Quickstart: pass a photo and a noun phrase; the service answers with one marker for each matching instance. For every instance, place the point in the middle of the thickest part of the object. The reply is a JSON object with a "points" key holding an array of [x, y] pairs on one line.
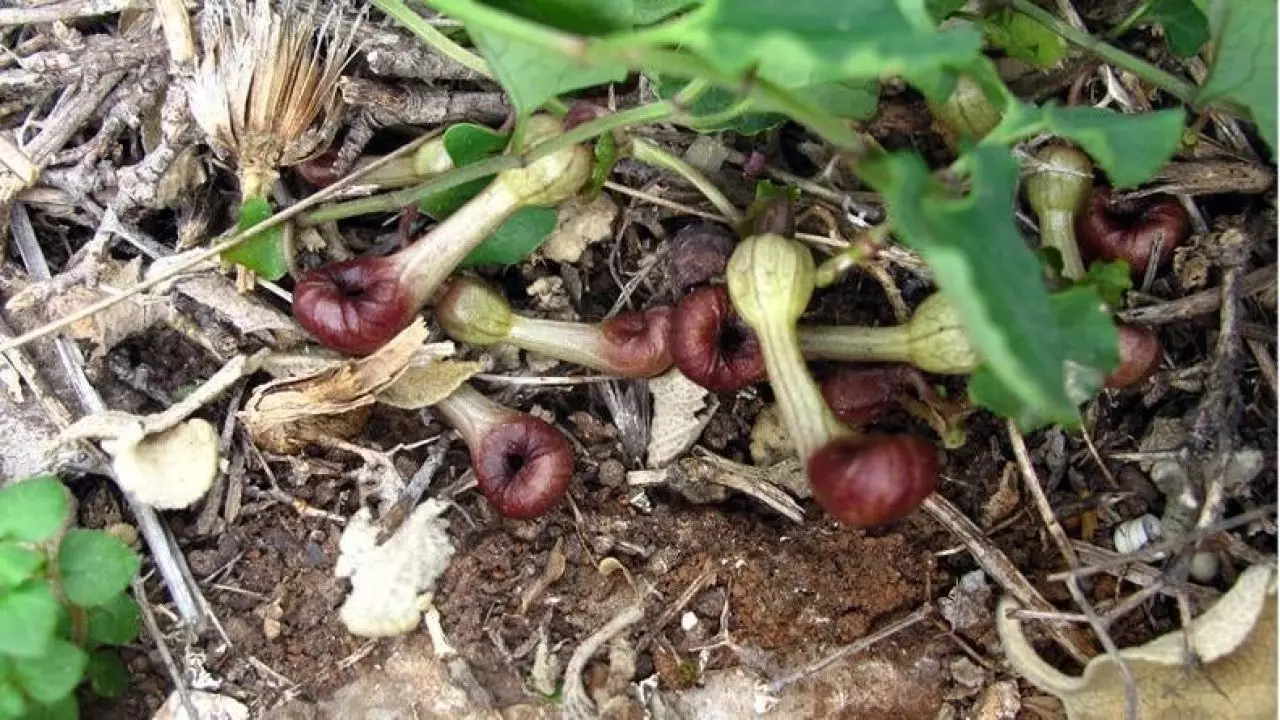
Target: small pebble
{"points": [[688, 621], [612, 473]]}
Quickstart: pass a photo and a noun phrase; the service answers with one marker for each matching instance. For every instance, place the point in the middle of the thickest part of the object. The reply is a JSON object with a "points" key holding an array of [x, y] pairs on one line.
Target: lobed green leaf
{"points": [[107, 674], [114, 622], [17, 564], [1088, 338], [94, 567], [50, 677], [1244, 68], [28, 619], [32, 510], [1185, 26], [984, 267]]}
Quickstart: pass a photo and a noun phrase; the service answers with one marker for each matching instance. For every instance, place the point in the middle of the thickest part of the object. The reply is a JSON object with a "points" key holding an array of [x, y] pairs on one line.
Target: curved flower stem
{"points": [[871, 344], [648, 153], [394, 201], [1168, 82]]}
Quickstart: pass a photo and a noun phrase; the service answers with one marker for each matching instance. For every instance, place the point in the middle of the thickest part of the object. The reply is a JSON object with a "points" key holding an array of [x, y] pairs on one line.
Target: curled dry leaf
{"points": [[681, 409], [578, 225], [1233, 673], [425, 385], [388, 579], [284, 416]]}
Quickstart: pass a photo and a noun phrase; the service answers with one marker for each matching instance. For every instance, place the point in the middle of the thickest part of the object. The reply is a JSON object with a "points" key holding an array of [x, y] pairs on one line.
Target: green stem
{"points": [[650, 154], [394, 201], [438, 41], [443, 44], [1138, 13], [1168, 82]]}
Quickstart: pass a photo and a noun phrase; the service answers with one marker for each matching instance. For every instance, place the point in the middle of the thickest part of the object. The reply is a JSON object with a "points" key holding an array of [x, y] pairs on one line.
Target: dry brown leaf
{"points": [[425, 385], [284, 416], [110, 327], [681, 409], [1234, 675]]}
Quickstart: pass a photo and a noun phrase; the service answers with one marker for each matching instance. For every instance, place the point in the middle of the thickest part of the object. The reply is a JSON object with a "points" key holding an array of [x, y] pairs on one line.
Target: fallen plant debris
{"points": [[468, 317]]}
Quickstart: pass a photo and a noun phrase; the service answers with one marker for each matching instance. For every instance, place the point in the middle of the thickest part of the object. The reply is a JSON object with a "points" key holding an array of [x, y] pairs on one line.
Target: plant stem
{"points": [[867, 344], [1168, 82], [647, 152], [1138, 13], [443, 44], [438, 41], [394, 201]]}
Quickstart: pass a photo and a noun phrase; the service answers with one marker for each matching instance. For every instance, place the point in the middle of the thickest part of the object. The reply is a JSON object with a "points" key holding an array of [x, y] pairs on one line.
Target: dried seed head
{"points": [[265, 91]]}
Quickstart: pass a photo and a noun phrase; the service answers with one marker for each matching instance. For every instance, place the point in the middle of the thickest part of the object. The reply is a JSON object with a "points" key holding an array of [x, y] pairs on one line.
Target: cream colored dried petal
{"points": [[265, 89]]}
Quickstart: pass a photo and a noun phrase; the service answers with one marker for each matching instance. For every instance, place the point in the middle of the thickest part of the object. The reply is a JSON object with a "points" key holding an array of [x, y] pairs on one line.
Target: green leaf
{"points": [[604, 157], [853, 99], [1131, 149], [530, 74], [1244, 70], [94, 567], [1089, 338], [1185, 25], [263, 253], [62, 709], [17, 564], [714, 102], [651, 11], [466, 143], [34, 509], [52, 676], [983, 266], [28, 617], [114, 622], [12, 703], [519, 236], [1023, 38], [806, 42], [107, 674], [1111, 280]]}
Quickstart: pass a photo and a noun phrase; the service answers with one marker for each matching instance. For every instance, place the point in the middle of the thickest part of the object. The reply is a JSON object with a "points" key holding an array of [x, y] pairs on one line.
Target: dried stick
{"points": [[853, 648], [577, 704], [65, 10], [162, 552], [1201, 303], [999, 566], [1032, 483]]}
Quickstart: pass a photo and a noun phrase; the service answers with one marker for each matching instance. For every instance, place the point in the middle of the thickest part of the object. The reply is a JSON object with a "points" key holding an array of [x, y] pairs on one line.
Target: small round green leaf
{"points": [[107, 673], [520, 235], [264, 253], [467, 142], [12, 704], [114, 622], [32, 510], [62, 709], [28, 616], [17, 564], [52, 676], [94, 566]]}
